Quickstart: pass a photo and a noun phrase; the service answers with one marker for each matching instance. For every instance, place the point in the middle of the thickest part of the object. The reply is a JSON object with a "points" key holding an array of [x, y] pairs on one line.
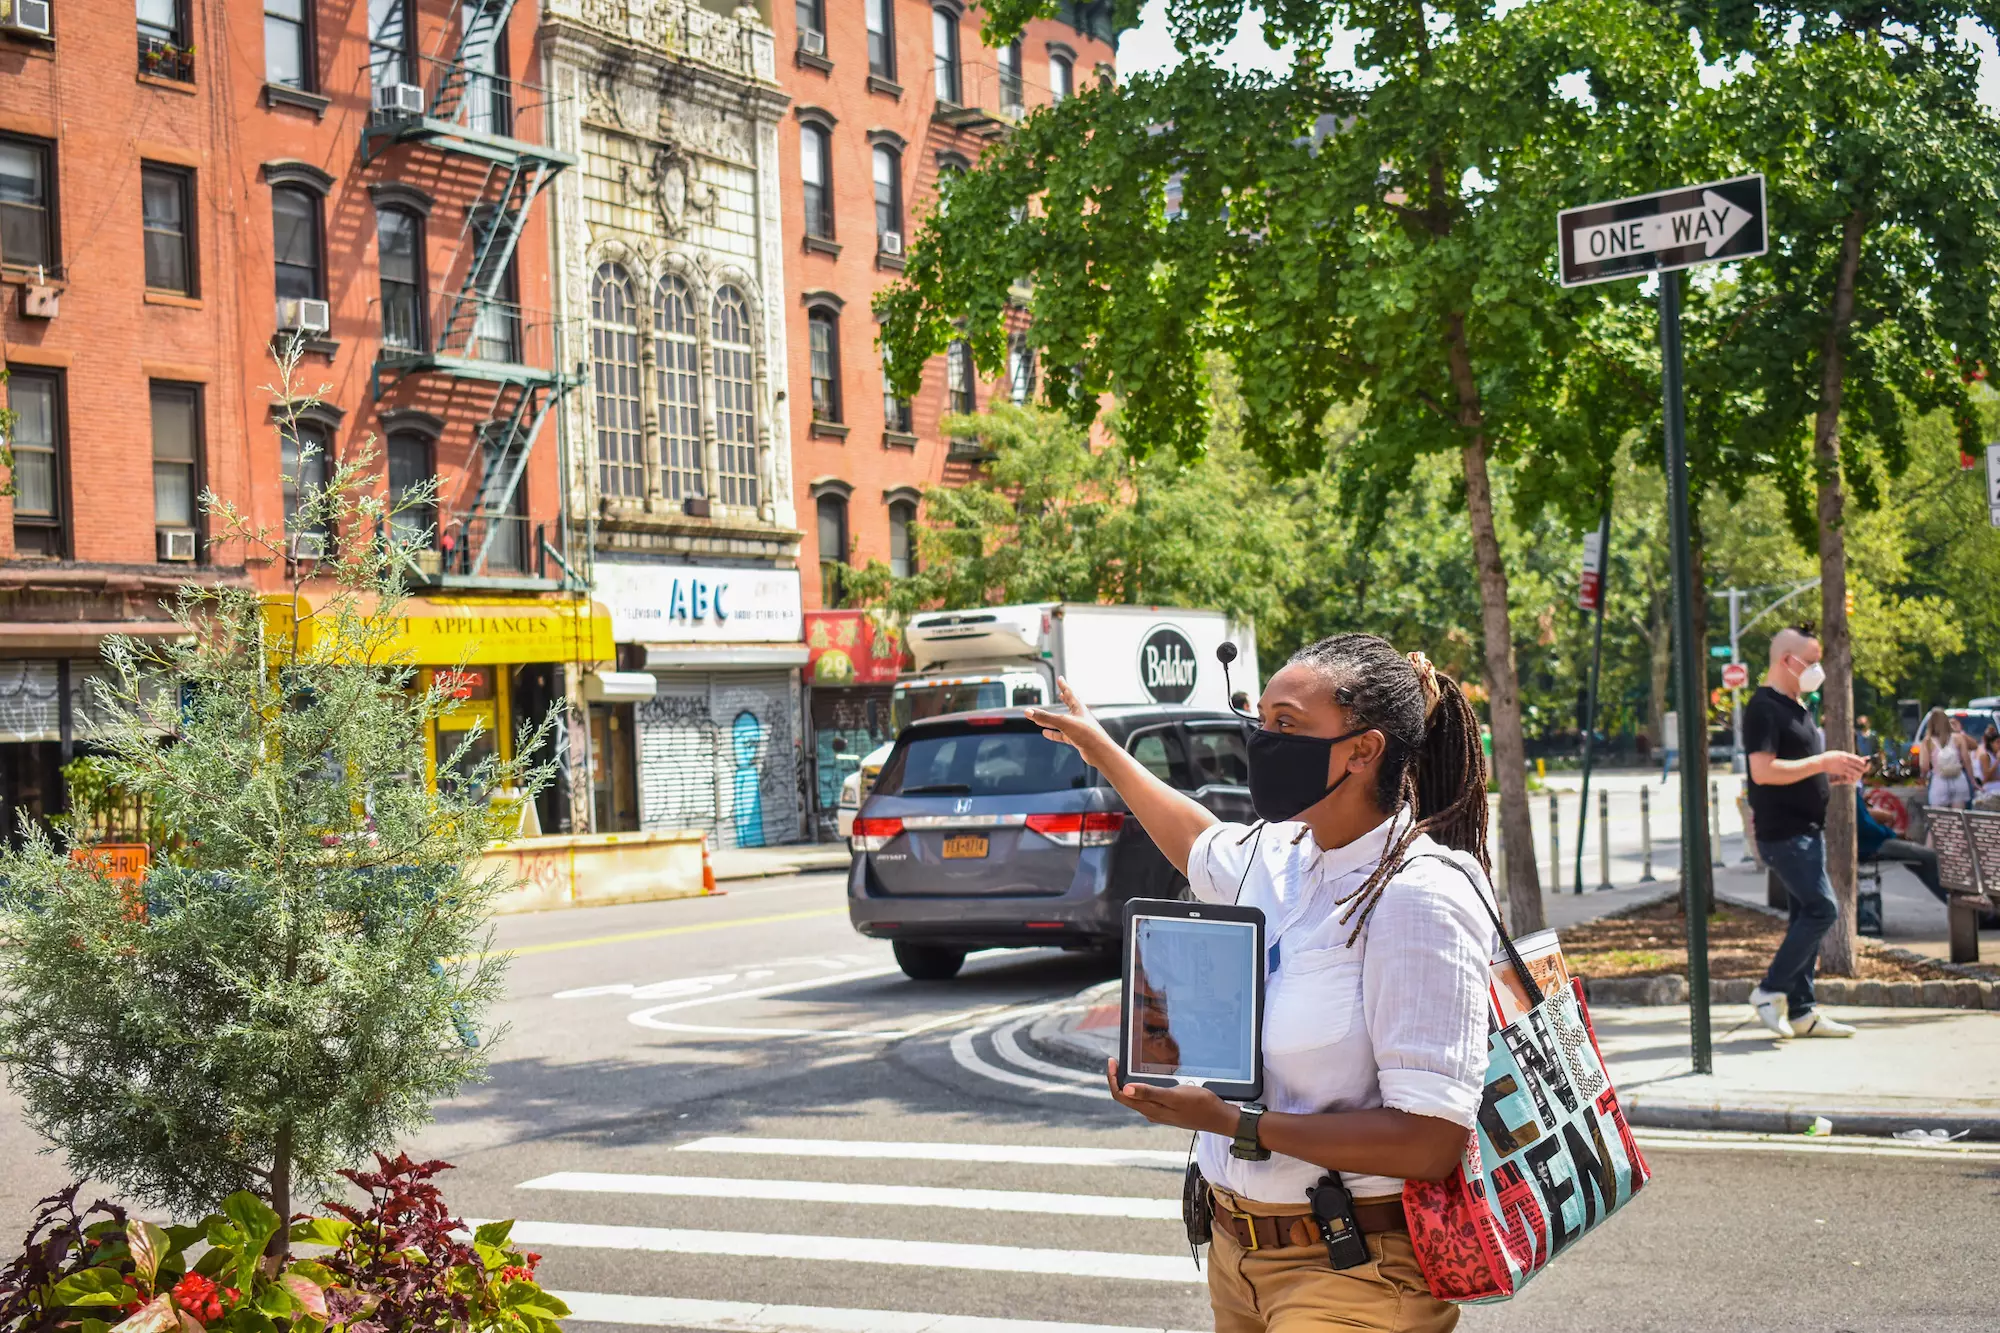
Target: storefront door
{"points": [[613, 772], [483, 699]]}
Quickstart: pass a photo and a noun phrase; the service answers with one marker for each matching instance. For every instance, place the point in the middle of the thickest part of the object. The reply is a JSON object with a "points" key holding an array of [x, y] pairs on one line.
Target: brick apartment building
{"points": [[888, 97], [174, 203]]}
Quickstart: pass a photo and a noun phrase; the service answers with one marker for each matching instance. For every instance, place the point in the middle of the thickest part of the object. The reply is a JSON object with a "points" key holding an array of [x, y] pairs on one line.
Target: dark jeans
{"points": [[1800, 864], [1922, 861]]}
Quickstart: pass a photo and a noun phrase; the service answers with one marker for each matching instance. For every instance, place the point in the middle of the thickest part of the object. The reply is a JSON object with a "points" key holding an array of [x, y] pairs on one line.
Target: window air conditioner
{"points": [[813, 43], [25, 16], [298, 314], [308, 546], [398, 101], [175, 543], [892, 242]]}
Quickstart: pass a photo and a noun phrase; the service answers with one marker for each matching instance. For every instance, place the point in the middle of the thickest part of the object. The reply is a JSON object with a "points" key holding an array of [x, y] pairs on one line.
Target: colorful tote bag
{"points": [[1550, 1158]]}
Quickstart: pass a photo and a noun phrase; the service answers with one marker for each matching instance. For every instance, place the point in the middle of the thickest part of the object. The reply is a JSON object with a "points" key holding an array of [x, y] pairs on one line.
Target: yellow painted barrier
{"points": [[590, 869]]}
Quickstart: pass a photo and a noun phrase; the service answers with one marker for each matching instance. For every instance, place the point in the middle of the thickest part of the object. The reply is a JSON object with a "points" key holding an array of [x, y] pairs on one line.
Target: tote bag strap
{"points": [[1521, 971]]}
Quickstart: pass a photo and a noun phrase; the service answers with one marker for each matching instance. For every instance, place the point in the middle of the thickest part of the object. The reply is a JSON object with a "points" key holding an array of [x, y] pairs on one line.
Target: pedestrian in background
{"points": [[1946, 760], [1987, 775], [1864, 737], [1790, 776], [1876, 841]]}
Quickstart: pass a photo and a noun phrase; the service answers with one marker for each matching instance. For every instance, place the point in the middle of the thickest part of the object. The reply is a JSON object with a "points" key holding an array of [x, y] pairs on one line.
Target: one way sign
{"points": [[1653, 233]]}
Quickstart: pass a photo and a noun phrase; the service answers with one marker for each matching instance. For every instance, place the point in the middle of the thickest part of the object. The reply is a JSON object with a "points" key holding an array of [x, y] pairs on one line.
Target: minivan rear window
{"points": [[1007, 757]]}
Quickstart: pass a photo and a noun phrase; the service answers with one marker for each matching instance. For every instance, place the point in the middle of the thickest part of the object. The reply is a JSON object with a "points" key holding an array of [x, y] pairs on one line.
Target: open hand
{"points": [[1842, 767], [1188, 1106], [1076, 727]]}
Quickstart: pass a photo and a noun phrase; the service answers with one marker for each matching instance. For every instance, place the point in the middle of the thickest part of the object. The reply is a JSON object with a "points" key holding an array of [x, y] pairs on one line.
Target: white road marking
{"points": [[1713, 1141], [826, 1191], [589, 1307], [969, 1059], [649, 1018], [859, 1250], [1007, 1042], [1007, 1153], [658, 990]]}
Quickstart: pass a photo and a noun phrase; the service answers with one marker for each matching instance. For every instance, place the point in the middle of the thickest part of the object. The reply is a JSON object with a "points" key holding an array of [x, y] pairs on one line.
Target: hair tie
{"points": [[1428, 678]]}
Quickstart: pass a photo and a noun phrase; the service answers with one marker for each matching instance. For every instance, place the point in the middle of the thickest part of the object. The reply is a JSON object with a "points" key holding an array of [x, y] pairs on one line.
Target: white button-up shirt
{"points": [[1399, 1019]]}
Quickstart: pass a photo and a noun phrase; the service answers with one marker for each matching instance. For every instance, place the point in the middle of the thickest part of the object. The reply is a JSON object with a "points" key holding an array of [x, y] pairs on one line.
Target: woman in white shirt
{"points": [[1368, 862], [1946, 760]]}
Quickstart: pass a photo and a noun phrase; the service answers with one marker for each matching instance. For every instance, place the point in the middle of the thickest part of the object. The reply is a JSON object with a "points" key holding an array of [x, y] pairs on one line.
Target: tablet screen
{"points": [[1194, 998]]}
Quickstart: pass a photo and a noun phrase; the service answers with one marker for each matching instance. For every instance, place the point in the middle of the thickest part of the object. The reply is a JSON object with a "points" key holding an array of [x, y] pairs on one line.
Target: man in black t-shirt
{"points": [[1790, 776]]}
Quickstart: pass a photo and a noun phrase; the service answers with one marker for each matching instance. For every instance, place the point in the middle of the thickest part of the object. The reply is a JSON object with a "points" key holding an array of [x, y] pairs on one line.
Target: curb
{"points": [[1965, 993], [804, 866], [1774, 1118]]}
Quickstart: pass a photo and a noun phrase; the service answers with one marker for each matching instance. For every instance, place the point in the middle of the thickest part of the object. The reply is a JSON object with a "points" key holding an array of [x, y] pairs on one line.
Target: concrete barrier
{"points": [[592, 869]]}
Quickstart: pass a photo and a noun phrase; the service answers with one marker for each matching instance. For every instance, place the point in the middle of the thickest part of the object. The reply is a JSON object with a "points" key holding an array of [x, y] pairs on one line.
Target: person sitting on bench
{"points": [[1875, 841]]}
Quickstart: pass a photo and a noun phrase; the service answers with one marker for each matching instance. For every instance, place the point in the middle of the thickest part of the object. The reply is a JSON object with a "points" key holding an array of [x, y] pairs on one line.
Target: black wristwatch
{"points": [[1246, 1146]]}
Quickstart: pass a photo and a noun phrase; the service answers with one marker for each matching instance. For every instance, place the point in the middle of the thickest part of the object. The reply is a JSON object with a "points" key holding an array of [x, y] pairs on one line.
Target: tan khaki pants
{"points": [[1293, 1290]]}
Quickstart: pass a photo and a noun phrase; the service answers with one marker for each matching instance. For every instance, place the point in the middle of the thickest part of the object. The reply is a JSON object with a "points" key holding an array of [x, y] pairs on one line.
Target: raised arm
{"points": [[1172, 819]]}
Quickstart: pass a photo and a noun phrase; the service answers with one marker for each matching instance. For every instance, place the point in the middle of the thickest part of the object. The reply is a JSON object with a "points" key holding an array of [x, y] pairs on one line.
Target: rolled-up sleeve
{"points": [[1424, 999], [1216, 862]]}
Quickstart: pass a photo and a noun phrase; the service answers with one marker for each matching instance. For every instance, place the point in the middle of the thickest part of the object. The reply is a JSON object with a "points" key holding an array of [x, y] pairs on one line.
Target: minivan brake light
{"points": [[1099, 828], [872, 835]]}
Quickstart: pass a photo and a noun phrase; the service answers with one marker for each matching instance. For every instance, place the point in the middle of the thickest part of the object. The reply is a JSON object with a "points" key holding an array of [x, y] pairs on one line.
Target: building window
{"points": [[496, 328], [832, 546], [902, 539], [163, 44], [176, 453], [896, 414], [295, 245], [27, 204], [1021, 369], [888, 198], [815, 165], [1062, 76], [950, 167], [1011, 101], [959, 393], [35, 398], [881, 20], [412, 512], [302, 458], [944, 45], [392, 56], [811, 17], [167, 204], [824, 327], [614, 346], [489, 94], [734, 398], [677, 368], [287, 45], [399, 239]]}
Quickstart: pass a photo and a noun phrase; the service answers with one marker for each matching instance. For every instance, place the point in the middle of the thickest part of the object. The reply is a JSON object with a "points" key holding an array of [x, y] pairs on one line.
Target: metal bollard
{"points": [[1715, 820], [1555, 845], [1646, 836], [1603, 839]]}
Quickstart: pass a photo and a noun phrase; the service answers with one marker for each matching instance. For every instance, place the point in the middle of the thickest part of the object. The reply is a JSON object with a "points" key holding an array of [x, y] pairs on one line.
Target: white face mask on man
{"points": [[1811, 677]]}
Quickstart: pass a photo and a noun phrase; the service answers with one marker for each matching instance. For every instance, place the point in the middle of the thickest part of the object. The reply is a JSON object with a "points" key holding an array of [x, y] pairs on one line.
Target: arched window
{"points": [[1021, 368], [1012, 104], [734, 398], [1062, 76], [959, 393], [302, 459], [902, 538], [399, 241], [944, 48], [896, 415], [823, 329], [413, 515], [816, 168], [614, 355], [888, 200], [296, 245], [677, 370], [832, 546]]}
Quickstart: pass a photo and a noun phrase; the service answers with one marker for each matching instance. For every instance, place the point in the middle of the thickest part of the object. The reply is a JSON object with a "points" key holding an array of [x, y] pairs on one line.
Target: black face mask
{"points": [[1288, 773]]}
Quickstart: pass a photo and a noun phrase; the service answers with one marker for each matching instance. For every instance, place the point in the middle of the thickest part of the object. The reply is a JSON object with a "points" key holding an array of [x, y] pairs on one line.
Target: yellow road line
{"points": [[629, 936]]}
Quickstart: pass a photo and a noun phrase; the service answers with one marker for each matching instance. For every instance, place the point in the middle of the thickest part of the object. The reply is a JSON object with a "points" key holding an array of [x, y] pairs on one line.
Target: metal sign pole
{"points": [[1694, 676], [1590, 699]]}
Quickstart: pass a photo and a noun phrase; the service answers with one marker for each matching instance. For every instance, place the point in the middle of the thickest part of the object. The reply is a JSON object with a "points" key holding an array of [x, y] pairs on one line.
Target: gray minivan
{"points": [[981, 832]]}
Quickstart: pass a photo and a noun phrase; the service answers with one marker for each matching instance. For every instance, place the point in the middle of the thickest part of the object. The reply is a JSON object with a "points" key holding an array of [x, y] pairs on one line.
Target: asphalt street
{"points": [[733, 1113]]}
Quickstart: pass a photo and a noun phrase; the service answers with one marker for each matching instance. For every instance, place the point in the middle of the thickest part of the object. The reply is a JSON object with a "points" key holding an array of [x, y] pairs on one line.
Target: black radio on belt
{"points": [[1333, 1212]]}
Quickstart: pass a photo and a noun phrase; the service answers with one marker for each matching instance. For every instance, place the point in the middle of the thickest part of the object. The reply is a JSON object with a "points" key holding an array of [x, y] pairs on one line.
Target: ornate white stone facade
{"points": [[672, 111]]}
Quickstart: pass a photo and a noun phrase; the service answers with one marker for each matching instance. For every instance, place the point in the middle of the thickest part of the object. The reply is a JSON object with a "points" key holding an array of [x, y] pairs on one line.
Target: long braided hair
{"points": [[1433, 765]]}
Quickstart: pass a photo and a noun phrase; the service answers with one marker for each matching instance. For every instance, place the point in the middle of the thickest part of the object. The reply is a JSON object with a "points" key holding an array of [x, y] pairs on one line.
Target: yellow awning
{"points": [[475, 631]]}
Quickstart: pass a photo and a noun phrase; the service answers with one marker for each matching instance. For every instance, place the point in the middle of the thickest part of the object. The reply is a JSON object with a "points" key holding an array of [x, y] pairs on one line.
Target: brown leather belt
{"points": [[1255, 1231]]}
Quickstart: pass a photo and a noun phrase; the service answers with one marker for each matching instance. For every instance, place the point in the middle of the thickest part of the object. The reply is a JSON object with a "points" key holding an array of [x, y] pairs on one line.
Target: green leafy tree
{"points": [[1381, 238], [303, 970]]}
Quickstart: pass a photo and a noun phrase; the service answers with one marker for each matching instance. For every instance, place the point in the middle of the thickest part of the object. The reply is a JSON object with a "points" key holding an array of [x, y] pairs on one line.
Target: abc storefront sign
{"points": [[701, 603]]}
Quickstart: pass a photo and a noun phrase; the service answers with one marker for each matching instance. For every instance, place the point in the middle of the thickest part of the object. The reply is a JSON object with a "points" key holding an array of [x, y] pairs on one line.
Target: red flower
{"points": [[198, 1297], [516, 1273]]}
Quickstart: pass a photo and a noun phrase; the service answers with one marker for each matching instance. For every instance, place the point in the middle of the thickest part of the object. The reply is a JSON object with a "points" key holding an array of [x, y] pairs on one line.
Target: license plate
{"points": [[965, 846]]}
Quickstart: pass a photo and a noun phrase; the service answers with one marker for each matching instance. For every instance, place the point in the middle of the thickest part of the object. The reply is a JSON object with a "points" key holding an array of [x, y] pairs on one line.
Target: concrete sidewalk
{"points": [[1904, 1069], [736, 863]]}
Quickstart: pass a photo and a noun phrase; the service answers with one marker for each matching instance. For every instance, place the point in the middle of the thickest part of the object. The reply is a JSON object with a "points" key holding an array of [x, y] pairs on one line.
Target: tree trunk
{"points": [[1660, 654], [280, 1246], [1836, 954], [1510, 756]]}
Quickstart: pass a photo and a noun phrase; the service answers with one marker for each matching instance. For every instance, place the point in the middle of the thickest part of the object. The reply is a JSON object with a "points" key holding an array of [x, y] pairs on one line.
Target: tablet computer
{"points": [[1192, 1005]]}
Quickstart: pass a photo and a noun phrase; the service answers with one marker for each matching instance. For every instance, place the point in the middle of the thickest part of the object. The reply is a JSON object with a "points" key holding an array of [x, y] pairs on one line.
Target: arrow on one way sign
{"points": [[1653, 233]]}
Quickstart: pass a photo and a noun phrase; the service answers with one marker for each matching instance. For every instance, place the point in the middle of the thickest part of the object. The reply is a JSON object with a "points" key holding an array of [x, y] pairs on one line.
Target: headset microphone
{"points": [[1225, 653]]}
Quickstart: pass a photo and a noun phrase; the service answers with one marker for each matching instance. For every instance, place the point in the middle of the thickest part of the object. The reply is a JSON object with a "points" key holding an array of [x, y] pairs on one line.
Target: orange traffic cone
{"points": [[707, 868]]}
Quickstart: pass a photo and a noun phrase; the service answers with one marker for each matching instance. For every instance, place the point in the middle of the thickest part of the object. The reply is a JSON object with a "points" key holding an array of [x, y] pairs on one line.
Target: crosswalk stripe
{"points": [[859, 1250], [588, 1307], [1007, 1153], [1713, 1141], [823, 1191]]}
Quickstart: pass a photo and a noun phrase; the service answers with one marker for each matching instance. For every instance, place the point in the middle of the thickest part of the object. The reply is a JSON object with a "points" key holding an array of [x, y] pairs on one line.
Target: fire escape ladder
{"points": [[492, 230], [480, 27], [508, 442]]}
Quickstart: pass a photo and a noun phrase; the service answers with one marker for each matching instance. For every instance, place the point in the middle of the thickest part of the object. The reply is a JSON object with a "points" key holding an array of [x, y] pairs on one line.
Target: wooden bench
{"points": [[1968, 846]]}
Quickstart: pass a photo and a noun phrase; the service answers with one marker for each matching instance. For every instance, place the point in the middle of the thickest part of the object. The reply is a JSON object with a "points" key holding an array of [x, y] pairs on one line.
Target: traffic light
{"points": [[1850, 601]]}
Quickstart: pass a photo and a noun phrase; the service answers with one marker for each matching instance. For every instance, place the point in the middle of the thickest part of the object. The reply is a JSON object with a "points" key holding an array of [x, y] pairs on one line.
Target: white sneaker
{"points": [[1772, 1009], [1817, 1024]]}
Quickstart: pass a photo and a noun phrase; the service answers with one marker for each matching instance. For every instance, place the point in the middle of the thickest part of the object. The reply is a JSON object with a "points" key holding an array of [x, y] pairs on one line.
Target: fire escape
{"points": [[473, 328]]}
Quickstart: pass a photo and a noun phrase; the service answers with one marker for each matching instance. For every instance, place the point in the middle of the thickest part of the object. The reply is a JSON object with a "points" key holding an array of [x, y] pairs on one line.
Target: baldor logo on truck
{"points": [[1167, 666]]}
